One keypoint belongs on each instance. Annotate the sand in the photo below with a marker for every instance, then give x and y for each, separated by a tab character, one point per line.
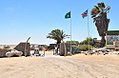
76	66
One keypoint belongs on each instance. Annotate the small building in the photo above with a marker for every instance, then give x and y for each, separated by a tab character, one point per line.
112	41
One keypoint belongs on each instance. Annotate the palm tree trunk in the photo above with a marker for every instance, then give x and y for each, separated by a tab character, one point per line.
103	41
57	48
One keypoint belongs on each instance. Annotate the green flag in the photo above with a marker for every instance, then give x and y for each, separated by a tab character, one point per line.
68	15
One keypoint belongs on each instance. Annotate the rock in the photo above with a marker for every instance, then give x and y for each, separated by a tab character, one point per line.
14	53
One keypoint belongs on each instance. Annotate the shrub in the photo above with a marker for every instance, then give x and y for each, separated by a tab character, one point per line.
85	47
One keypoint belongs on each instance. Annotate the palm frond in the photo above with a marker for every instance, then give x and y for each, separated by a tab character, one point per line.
57	35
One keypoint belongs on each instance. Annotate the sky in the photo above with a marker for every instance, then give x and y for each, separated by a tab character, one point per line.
20	19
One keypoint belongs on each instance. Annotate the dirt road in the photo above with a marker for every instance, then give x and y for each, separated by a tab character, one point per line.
77	66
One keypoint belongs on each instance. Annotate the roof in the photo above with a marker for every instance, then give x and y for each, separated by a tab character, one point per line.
113	32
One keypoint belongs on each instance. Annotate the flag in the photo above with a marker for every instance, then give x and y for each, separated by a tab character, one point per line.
68	15
84	14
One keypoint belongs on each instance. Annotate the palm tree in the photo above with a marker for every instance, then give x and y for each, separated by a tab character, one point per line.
57	35
99	15
99	9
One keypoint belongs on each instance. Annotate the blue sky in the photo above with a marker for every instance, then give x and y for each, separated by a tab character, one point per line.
20	19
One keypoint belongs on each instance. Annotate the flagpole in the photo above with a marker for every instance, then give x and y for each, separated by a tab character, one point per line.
88	31
70	29
68	16
70	34
85	14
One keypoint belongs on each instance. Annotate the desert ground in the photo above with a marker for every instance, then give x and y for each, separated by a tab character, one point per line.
50	66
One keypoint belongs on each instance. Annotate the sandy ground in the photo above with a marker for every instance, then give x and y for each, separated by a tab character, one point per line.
76	66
